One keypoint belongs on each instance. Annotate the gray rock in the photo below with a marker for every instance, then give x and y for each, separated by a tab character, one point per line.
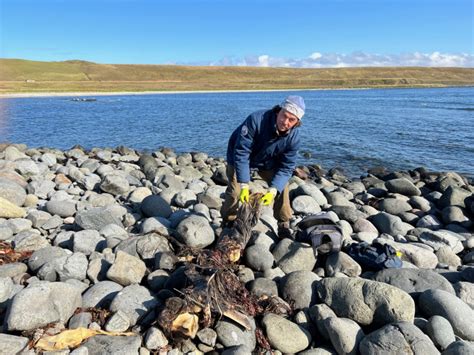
414	281
80	320
340	262
126	269
185	198
447	256
212	197
207	336
171	182
12	192
299	288
305	204
284	335
366	302
312	190
115	185
41	188
96	218
88	241
442	237
101	294
118	322
468	274
460	348
6	289
108	344
45	255
6	232
42	303
61	208
345	334
135	301
263	286
454	196
155	339
420	203
294	256
402	186
12	344
38	218
139	194
151	244
318	314
195	231
12	269
318	351
337	198
72	267
258	257
465	291
29	241
347	213
18	225
157	279
453	214
440	332
365	226
397	338
430	222
442	303
387	223
230	334
394	206
155	206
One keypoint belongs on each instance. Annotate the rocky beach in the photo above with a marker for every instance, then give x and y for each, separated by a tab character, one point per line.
93	239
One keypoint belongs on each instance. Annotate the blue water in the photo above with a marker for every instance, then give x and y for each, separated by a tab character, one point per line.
352	129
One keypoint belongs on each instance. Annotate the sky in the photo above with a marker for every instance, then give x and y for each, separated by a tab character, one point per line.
291	33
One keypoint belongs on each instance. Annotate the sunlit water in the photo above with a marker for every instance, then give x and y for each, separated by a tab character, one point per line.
352	129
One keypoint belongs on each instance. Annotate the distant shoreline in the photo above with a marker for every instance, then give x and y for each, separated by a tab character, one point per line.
119	93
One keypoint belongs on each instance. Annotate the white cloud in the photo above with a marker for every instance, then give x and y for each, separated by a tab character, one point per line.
355	59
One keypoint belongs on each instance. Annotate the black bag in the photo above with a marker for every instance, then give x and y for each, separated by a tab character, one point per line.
374	257
321	231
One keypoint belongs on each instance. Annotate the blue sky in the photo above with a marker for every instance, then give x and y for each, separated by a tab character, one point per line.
293	33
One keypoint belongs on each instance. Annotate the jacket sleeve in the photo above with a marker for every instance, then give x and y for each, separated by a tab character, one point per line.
243	148
287	165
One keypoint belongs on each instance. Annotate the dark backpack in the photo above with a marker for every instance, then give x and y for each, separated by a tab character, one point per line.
374	257
321	231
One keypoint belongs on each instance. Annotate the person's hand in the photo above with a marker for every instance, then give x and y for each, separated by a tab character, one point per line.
269	196
244	193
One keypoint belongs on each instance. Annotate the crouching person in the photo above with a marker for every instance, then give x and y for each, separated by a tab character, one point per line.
268	141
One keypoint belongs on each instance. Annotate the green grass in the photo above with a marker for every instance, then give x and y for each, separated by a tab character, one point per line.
82	76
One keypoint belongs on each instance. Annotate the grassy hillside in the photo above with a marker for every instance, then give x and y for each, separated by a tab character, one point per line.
25	76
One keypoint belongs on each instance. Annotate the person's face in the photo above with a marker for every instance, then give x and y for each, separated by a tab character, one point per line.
286	121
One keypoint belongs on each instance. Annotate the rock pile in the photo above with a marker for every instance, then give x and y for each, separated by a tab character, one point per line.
95	236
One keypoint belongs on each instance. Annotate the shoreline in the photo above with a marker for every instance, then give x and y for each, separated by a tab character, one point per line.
116	93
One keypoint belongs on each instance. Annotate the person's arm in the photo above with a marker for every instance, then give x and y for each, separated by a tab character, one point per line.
287	165
243	148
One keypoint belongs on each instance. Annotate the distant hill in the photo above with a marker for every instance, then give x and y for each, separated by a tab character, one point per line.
26	76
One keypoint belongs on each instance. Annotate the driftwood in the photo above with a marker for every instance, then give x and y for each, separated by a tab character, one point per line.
215	290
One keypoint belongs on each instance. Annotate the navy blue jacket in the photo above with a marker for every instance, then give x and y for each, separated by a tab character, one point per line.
256	144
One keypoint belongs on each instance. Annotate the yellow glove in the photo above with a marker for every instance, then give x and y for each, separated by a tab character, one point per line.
269	196
244	193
